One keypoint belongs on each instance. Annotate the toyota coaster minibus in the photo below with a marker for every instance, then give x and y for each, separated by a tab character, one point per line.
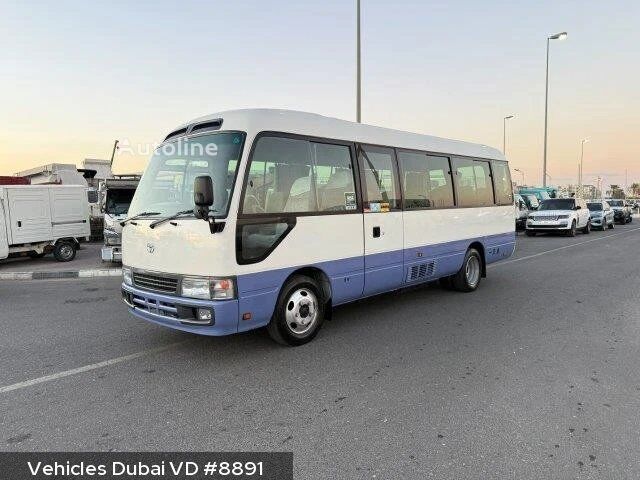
270	218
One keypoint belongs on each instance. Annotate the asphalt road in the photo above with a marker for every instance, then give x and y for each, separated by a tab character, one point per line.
535	375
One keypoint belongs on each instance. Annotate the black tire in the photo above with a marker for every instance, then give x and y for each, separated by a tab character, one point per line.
530	233
572	231
463	281
36	254
64	251
280	329
587	228
630	219
612	225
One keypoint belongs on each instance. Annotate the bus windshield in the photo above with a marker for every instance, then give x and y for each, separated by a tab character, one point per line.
167	184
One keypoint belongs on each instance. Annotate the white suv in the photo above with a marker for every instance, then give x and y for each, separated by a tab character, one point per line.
560	214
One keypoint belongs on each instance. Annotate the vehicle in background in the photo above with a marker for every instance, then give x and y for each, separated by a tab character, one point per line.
37	220
270	218
560	215
540	193
115	197
521	212
622	213
601	214
531	200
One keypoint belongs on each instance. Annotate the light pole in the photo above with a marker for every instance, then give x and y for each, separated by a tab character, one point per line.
504	134
582	142
358	66
557	36
521	173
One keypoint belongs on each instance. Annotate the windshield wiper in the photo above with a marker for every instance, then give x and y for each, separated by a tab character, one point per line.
172	217
140	215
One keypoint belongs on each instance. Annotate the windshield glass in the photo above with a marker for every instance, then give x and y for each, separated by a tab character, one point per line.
167	183
595	207
557	204
615	203
118	201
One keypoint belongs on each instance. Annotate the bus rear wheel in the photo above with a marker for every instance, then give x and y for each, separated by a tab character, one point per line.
299	312
468	277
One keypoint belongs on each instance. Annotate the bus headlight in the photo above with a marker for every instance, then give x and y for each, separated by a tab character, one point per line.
208	288
196	288
126	276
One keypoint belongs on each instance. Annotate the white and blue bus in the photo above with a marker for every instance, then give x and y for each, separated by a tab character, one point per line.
270	218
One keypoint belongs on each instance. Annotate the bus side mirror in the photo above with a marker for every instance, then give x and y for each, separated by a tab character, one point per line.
202	196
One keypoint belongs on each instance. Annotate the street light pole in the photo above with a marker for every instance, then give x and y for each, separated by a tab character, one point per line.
557	36
504	134
582	142
358	67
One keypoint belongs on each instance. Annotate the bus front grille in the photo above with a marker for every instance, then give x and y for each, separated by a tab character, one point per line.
155	282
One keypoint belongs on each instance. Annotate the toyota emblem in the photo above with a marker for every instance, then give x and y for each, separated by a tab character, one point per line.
151	247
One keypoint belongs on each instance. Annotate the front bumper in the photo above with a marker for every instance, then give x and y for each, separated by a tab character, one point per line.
548	226
179	313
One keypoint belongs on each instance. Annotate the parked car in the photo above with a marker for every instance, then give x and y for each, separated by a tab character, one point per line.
622	213
531	200
601	214
560	215
521	211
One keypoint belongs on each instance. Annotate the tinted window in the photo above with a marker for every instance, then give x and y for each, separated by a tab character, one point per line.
473	183
256	241
334	177
557	204
380	183
288	175
426	180
502	182
594	207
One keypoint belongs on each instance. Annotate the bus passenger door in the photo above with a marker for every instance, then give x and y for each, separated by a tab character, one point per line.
383	228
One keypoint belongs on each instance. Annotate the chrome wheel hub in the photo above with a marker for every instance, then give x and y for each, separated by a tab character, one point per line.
301	311
472	271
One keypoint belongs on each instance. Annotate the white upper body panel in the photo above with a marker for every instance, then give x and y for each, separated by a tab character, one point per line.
257	120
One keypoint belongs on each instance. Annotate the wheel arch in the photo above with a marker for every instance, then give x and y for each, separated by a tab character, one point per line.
480	248
319	276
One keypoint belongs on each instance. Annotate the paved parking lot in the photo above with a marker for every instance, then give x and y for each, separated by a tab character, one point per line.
535	375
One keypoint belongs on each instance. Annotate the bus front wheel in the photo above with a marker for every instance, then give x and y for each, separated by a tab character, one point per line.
299	312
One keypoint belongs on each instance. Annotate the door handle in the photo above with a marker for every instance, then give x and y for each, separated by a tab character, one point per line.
376	232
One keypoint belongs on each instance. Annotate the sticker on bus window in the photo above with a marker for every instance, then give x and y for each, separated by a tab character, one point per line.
374	207
350	201
384	207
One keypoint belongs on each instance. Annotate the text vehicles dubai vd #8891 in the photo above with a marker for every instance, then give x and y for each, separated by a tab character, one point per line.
254	218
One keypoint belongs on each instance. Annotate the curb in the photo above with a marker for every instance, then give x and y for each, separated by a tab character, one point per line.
98	272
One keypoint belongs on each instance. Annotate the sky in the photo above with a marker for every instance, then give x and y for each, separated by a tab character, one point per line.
75	76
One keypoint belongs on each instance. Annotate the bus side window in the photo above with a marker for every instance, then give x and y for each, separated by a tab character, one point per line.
502	183
473	183
380	185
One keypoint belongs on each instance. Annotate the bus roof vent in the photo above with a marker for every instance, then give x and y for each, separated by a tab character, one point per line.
177	133
207	126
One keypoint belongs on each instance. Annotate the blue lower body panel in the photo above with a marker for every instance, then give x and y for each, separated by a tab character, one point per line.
159	308
349	278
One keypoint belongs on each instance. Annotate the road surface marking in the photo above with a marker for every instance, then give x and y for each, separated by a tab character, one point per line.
539	254
88	368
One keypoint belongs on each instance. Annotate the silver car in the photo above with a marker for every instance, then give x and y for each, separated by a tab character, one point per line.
601	214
